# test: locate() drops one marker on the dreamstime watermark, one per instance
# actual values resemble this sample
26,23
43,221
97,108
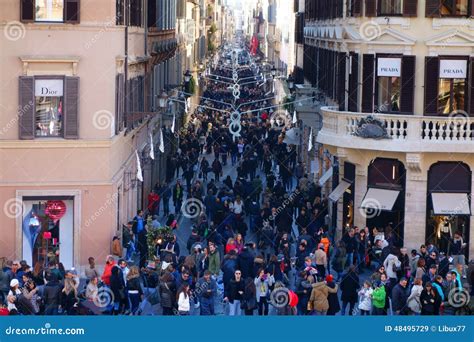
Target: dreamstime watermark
370,208
104,297
458,298
21,110
280,297
13,208
46,330
103,119
370,30
284,205
192,208
281,118
111,200
110,22
14,30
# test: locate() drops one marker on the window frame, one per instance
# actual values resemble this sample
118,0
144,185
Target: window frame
381,14
466,84
63,21
50,77
377,84
467,15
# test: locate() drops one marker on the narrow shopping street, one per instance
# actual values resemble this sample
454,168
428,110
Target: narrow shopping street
236,158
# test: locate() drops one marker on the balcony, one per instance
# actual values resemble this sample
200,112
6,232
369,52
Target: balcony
406,133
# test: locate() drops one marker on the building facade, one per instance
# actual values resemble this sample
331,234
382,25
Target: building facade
400,74
79,113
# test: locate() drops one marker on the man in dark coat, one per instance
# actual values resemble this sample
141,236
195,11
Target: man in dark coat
245,261
400,295
349,286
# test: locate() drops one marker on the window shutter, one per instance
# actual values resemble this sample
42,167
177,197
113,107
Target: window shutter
26,109
120,12
72,11
71,103
408,84
341,80
356,8
471,87
368,83
27,10
119,102
409,8
431,85
353,83
432,8
370,8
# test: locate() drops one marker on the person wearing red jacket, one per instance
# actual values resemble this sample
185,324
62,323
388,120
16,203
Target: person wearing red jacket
153,202
110,263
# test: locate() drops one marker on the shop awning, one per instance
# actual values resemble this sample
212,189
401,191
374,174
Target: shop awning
450,203
327,175
339,190
380,199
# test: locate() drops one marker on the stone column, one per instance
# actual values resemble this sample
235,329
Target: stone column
360,189
415,202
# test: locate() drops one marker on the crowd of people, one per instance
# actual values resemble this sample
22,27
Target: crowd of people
262,232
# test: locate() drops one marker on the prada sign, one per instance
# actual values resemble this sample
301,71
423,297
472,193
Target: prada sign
389,67
53,88
451,68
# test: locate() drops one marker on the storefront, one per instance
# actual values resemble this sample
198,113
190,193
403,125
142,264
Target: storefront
448,203
48,228
345,189
384,202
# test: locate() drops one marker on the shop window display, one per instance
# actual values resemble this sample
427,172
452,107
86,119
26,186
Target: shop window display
41,230
49,108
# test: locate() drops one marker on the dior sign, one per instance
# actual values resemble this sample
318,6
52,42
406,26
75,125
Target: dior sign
449,68
389,67
52,88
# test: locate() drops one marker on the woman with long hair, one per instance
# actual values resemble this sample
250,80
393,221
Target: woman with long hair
183,298
69,300
135,292
430,300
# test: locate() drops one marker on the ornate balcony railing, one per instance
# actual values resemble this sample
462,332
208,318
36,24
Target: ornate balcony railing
404,133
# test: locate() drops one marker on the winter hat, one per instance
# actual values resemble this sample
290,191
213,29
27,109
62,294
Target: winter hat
14,282
329,278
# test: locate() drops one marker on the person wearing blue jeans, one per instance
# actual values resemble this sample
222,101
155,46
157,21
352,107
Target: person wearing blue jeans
234,292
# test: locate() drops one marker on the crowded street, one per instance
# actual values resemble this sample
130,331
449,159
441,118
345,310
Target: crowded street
237,158
238,228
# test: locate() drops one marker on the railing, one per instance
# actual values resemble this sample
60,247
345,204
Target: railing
134,119
411,133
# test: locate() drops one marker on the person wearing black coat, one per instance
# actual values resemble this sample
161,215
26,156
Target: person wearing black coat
430,300
52,295
117,285
167,293
333,300
349,287
400,294
229,266
245,261
233,293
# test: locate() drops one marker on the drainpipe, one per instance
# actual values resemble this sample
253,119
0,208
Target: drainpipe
145,21
126,22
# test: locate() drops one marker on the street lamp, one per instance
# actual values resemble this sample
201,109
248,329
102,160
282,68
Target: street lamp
163,99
